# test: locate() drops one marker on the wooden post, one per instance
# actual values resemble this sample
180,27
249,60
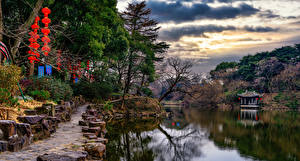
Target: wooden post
7,114
53,110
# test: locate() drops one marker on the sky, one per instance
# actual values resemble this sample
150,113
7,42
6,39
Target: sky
212,31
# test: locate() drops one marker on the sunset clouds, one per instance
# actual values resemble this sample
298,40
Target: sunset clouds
212,31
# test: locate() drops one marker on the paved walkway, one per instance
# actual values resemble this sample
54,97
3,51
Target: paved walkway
68,137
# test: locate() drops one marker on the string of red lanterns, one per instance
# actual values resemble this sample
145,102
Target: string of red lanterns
46,31
33,42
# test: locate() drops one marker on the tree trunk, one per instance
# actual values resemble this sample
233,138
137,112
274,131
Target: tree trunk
170,90
31,69
26,26
138,91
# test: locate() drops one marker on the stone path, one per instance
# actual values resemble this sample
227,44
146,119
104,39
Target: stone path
68,137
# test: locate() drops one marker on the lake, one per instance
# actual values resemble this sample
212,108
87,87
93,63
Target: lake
206,135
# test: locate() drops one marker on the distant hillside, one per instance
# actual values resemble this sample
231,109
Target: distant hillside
264,69
275,73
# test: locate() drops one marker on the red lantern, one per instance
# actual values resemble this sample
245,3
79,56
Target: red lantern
46,11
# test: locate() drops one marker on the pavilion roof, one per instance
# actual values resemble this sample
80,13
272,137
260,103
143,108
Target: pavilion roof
250,94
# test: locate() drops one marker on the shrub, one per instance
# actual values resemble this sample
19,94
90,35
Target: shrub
58,90
293,104
95,90
108,106
6,98
40,95
9,78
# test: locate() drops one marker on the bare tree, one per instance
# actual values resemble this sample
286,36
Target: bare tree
175,71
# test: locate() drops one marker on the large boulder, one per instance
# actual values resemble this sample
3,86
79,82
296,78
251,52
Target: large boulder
8,128
32,120
95,150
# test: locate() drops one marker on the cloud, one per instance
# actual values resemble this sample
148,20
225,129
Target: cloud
260,29
175,33
178,12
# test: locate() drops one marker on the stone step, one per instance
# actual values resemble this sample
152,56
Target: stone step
97,124
90,135
97,140
83,123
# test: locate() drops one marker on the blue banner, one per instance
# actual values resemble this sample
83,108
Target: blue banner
48,70
41,71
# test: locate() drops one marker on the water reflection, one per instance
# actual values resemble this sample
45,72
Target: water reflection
193,134
249,117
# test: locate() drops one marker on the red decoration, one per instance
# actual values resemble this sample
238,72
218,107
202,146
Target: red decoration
239,98
88,65
46,49
58,60
34,46
256,98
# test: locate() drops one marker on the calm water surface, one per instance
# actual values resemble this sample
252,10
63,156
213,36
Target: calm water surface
198,135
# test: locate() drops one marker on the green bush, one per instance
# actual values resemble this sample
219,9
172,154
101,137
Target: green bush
40,95
58,90
7,99
94,90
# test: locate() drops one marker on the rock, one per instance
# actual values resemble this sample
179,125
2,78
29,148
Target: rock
95,150
3,146
8,128
83,123
69,156
97,124
24,129
92,112
94,130
31,119
43,110
14,143
1,135
97,140
90,135
68,104
45,124
59,108
91,118
30,112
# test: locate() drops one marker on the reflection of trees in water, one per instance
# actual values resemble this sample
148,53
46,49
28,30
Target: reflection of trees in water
127,141
179,145
162,144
